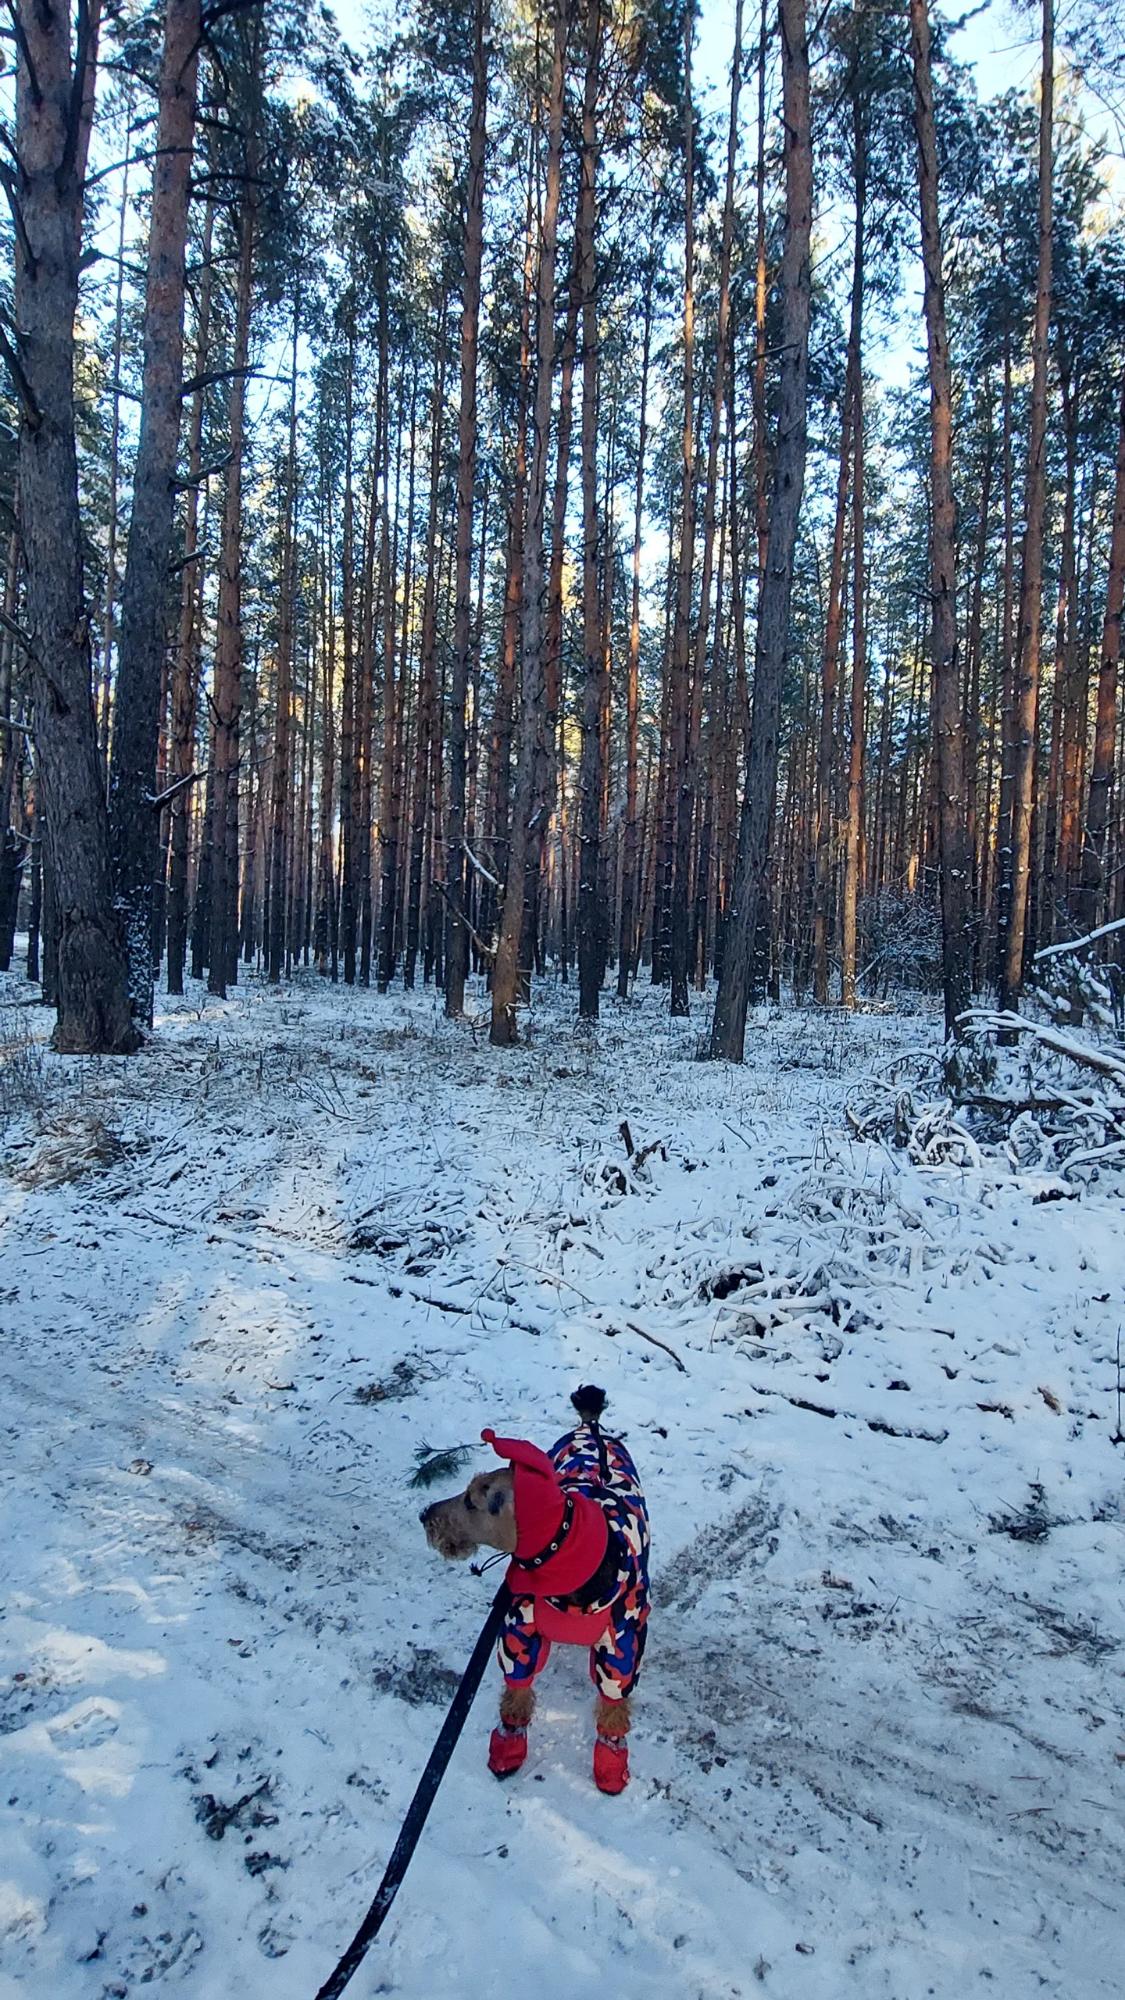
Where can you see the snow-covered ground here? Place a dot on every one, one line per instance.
(243, 1278)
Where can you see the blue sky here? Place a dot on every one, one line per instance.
(1001, 43)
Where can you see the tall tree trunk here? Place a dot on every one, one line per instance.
(688, 786)
(728, 1028)
(528, 809)
(145, 594)
(92, 991)
(457, 936)
(761, 292)
(348, 703)
(324, 926)
(952, 816)
(1093, 877)
(394, 729)
(425, 721)
(185, 676)
(630, 881)
(223, 955)
(977, 822)
(1031, 583)
(1060, 833)
(591, 770)
(103, 698)
(283, 701)
(853, 840)
(9, 749)
(680, 800)
(824, 810)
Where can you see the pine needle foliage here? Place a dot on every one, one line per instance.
(432, 1463)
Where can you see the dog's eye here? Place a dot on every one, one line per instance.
(470, 1503)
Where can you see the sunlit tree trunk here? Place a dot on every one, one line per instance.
(280, 788)
(185, 674)
(1031, 583)
(952, 816)
(528, 808)
(591, 769)
(1093, 880)
(222, 968)
(681, 788)
(772, 640)
(457, 936)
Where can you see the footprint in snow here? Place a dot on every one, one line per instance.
(86, 1726)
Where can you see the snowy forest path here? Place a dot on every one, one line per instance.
(878, 1746)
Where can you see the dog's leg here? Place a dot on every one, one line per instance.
(522, 1653)
(613, 1721)
(507, 1745)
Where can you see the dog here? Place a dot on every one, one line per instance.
(575, 1523)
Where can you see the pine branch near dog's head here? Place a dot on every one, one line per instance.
(432, 1463)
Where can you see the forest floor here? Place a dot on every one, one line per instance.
(246, 1276)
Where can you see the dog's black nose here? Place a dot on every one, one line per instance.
(422, 1515)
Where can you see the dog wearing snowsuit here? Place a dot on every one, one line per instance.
(575, 1524)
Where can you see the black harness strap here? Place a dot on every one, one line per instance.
(423, 1799)
(601, 1588)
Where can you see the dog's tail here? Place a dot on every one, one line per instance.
(589, 1401)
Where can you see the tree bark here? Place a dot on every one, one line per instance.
(824, 816)
(145, 594)
(853, 842)
(185, 677)
(952, 816)
(630, 879)
(680, 800)
(689, 782)
(529, 805)
(92, 987)
(425, 721)
(283, 701)
(457, 936)
(1031, 584)
(728, 1028)
(591, 769)
(1105, 725)
(223, 953)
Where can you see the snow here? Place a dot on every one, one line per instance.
(878, 1746)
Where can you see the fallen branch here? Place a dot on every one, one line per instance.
(214, 1817)
(395, 1285)
(878, 1424)
(997, 1023)
(1079, 944)
(653, 1342)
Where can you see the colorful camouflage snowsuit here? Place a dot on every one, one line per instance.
(600, 1467)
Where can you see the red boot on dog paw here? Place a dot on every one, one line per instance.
(611, 1764)
(507, 1749)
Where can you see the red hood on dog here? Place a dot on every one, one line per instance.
(561, 1535)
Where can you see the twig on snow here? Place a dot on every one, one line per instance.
(612, 1332)
(878, 1424)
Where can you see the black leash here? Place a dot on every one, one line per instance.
(423, 1799)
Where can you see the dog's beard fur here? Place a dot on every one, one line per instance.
(483, 1516)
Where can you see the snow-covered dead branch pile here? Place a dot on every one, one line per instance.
(1047, 1097)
